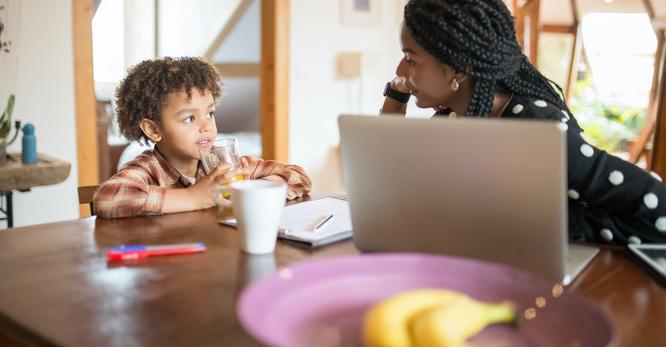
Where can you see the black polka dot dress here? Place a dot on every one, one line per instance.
(610, 199)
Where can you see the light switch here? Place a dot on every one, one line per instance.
(348, 65)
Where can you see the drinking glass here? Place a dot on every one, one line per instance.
(224, 151)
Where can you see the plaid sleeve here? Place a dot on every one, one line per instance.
(298, 182)
(131, 192)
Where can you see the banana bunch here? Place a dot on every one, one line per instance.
(431, 318)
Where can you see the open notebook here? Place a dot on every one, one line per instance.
(298, 221)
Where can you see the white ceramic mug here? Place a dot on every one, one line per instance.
(258, 208)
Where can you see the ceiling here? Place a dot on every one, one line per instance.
(558, 12)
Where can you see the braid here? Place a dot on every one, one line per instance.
(478, 38)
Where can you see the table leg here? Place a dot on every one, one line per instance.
(8, 211)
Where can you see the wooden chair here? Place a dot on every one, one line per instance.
(86, 196)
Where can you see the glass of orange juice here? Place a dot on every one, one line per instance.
(224, 151)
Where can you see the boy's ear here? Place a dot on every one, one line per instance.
(151, 130)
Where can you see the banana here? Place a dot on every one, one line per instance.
(430, 317)
(385, 324)
(453, 324)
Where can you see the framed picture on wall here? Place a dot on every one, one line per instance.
(360, 12)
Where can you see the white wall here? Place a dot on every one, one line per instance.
(239, 108)
(317, 97)
(44, 88)
(188, 27)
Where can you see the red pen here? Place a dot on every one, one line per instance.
(129, 252)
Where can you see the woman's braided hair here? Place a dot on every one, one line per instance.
(477, 37)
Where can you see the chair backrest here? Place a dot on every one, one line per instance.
(86, 196)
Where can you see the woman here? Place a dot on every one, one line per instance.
(461, 57)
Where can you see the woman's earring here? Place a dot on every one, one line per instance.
(455, 85)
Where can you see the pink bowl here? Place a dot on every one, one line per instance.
(321, 302)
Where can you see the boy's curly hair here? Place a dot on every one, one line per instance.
(144, 91)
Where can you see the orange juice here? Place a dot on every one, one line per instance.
(236, 177)
(225, 212)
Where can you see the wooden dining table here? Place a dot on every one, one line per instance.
(57, 288)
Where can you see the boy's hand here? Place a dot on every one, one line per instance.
(203, 192)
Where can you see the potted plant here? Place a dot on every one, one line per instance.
(5, 128)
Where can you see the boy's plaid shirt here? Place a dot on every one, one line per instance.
(140, 186)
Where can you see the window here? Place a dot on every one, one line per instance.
(612, 90)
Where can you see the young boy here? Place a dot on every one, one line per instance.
(171, 102)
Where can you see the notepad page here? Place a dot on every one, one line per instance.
(299, 219)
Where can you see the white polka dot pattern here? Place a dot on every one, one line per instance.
(540, 103)
(566, 115)
(573, 194)
(660, 224)
(651, 200)
(517, 109)
(587, 150)
(634, 240)
(562, 126)
(606, 234)
(616, 177)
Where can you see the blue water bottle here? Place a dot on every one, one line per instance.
(29, 149)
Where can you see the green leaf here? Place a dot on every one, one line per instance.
(4, 131)
(6, 119)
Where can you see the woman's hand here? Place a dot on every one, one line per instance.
(399, 83)
(391, 105)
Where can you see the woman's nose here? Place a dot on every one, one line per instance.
(402, 69)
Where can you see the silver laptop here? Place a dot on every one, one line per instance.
(481, 188)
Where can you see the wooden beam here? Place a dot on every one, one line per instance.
(227, 28)
(654, 88)
(574, 12)
(558, 29)
(527, 22)
(241, 70)
(649, 9)
(639, 143)
(84, 94)
(574, 60)
(576, 51)
(519, 17)
(659, 145)
(275, 79)
(659, 23)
